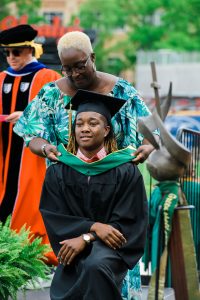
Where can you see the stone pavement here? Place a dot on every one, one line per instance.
(44, 294)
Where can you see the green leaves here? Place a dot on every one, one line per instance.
(31, 9)
(23, 7)
(147, 25)
(20, 259)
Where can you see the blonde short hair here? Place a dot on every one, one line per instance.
(75, 39)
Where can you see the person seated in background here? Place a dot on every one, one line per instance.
(94, 205)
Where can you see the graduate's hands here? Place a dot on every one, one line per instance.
(112, 237)
(70, 249)
(14, 117)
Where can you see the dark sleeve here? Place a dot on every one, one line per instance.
(59, 222)
(130, 213)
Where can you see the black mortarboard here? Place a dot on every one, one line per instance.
(17, 34)
(105, 105)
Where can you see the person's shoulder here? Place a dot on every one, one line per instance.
(49, 74)
(107, 76)
(127, 174)
(125, 90)
(49, 86)
(50, 71)
(54, 168)
(107, 79)
(115, 81)
(60, 171)
(49, 89)
(126, 85)
(2, 74)
(129, 168)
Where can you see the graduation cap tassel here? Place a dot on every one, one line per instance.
(71, 142)
(70, 120)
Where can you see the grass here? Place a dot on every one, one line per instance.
(148, 180)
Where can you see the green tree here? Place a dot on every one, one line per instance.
(182, 25)
(135, 18)
(149, 25)
(30, 8)
(23, 7)
(105, 17)
(4, 8)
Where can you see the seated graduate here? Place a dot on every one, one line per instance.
(94, 206)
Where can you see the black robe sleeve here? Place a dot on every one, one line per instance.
(130, 213)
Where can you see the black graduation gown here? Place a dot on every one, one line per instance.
(70, 203)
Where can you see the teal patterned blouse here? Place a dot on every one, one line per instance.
(46, 117)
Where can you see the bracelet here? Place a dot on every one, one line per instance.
(43, 150)
(94, 234)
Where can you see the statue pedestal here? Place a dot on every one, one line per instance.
(183, 259)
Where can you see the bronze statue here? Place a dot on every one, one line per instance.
(167, 163)
(170, 158)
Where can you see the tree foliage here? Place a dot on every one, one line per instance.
(30, 8)
(149, 25)
(105, 18)
(23, 7)
(4, 8)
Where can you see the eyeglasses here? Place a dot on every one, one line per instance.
(78, 68)
(15, 52)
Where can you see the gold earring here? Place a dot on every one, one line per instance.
(94, 67)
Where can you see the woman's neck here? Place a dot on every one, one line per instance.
(102, 83)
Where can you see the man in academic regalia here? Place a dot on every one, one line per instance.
(94, 206)
(21, 172)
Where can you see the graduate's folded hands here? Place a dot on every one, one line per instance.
(112, 237)
(70, 249)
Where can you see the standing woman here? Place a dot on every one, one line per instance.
(44, 123)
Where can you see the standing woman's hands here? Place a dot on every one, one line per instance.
(142, 153)
(50, 152)
(43, 148)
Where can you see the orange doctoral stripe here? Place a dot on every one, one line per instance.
(2, 77)
(7, 158)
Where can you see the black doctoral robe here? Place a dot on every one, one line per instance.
(70, 203)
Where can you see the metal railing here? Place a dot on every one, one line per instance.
(190, 182)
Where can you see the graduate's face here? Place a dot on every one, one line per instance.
(77, 66)
(18, 59)
(90, 131)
